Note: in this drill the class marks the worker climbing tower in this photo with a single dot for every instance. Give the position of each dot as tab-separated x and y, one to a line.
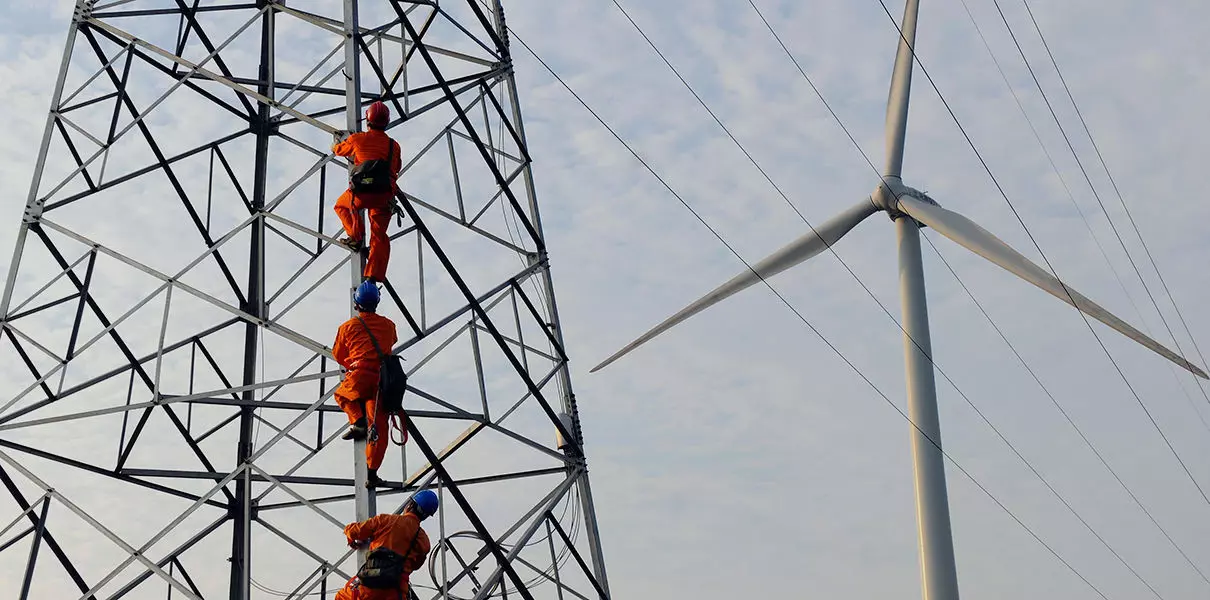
167	428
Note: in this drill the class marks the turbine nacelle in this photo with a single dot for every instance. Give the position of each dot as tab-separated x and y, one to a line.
886	196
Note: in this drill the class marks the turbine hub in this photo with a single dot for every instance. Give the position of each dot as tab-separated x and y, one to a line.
886	196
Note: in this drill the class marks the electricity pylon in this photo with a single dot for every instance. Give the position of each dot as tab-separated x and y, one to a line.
166	425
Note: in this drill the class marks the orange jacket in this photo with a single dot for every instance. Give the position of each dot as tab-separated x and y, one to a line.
395	532
353	348
371	145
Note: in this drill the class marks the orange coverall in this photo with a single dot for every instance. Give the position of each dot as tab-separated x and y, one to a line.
396	532
355	352
370	145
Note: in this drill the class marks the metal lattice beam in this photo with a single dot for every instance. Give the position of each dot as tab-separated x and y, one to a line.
167	307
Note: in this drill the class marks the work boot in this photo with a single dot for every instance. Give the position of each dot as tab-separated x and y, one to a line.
351	243
373	480
357	431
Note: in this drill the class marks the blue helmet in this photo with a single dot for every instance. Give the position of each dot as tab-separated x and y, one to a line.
426	503
367	295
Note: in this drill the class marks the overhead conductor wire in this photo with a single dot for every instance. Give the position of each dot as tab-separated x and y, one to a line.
1049	266
1080	211
800	316
1084	171
1104	209
999	434
1116	190
1022	360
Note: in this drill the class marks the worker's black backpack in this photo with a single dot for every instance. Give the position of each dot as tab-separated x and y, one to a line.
373	175
392	384
382	570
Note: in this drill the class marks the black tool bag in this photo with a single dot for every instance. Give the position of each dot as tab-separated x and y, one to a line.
384	567
382	570
373	175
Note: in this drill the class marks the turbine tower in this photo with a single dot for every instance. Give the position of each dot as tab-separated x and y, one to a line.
167	428
912	209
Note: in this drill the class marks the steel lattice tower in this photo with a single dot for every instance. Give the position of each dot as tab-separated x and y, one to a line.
166	424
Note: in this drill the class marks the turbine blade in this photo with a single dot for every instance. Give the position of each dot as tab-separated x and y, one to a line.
978	240
789	255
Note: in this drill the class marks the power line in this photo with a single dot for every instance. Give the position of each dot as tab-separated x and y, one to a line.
1020	358
1084	171
1053	165
815	88
1049	266
541	578
1097	196
966	398
1063	412
279	593
981	415
764	173
1080	211
941	371
716	119
805	321
1116	190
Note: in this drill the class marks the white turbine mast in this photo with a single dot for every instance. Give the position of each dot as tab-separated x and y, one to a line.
911	209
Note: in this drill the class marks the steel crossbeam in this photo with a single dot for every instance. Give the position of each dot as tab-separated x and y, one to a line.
194	376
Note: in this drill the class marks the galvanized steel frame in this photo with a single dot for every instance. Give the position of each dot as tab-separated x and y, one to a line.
269	105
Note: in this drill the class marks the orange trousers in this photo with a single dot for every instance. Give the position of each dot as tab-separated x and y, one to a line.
353	591
361	387
378	208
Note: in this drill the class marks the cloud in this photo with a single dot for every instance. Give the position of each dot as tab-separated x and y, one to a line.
739	453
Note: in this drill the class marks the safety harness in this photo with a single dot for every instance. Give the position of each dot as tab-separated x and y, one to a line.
373	175
384	568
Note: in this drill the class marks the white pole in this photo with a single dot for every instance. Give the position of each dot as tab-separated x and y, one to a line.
938	572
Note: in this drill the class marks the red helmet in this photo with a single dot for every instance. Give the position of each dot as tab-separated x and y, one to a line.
378	115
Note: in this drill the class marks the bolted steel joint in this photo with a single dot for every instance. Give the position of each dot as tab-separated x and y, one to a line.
33	211
570	425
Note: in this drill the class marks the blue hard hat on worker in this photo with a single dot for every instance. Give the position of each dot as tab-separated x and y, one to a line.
367	296
425	503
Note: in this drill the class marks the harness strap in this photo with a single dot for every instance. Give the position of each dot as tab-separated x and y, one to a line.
397	421
407	576
371	419
381	355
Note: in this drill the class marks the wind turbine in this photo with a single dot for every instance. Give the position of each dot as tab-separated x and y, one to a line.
911	209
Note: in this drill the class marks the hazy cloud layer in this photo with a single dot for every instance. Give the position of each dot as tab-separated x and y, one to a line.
739	454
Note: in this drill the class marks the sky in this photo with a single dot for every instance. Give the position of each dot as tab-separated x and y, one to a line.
740	454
